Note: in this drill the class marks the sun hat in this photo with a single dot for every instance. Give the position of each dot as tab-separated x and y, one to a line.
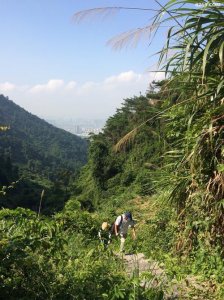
104	225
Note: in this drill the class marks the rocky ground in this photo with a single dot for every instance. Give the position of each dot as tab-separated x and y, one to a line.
153	275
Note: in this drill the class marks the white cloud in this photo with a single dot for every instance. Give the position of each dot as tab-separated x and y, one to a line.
88	86
58	98
6	87
156	76
71	85
51	86
123	77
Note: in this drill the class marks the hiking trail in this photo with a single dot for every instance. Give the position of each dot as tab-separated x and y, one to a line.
190	287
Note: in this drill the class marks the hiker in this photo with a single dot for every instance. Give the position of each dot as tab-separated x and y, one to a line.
104	234
121	226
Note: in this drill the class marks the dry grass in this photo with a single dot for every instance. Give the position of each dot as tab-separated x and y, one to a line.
142	208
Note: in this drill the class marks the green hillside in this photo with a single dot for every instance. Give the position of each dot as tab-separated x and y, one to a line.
37	154
37	145
109	174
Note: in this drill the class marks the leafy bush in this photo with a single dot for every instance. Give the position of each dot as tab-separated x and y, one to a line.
58	259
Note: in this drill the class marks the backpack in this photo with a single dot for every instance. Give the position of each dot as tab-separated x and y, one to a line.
112	231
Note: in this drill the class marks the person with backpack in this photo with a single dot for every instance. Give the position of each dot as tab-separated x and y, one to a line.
121	226
104	234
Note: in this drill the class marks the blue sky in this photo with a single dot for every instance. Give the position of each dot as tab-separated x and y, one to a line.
54	67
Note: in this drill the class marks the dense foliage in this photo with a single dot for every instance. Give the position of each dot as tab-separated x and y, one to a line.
59	259
36	145
162	156
37	156
176	144
108	174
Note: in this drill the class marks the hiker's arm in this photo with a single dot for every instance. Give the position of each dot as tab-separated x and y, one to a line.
116	229
117	225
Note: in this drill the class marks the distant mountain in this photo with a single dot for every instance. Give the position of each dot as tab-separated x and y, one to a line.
40	155
37	145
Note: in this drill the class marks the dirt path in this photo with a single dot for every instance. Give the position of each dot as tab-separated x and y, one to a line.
188	288
141	263
137	264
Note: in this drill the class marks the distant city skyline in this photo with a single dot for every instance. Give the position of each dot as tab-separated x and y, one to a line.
53	67
81	127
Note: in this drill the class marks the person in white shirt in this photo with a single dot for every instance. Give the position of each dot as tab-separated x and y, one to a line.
122	224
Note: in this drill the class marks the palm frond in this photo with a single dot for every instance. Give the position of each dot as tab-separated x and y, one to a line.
126	140
104	12
132	37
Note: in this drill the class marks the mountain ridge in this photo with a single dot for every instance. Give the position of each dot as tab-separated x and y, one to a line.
31	137
39	157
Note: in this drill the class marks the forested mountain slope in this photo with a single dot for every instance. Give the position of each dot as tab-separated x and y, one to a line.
37	156
110	174
37	145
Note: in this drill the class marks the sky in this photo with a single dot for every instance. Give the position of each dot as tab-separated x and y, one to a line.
55	67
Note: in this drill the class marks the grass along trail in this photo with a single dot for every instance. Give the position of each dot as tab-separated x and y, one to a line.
153	273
